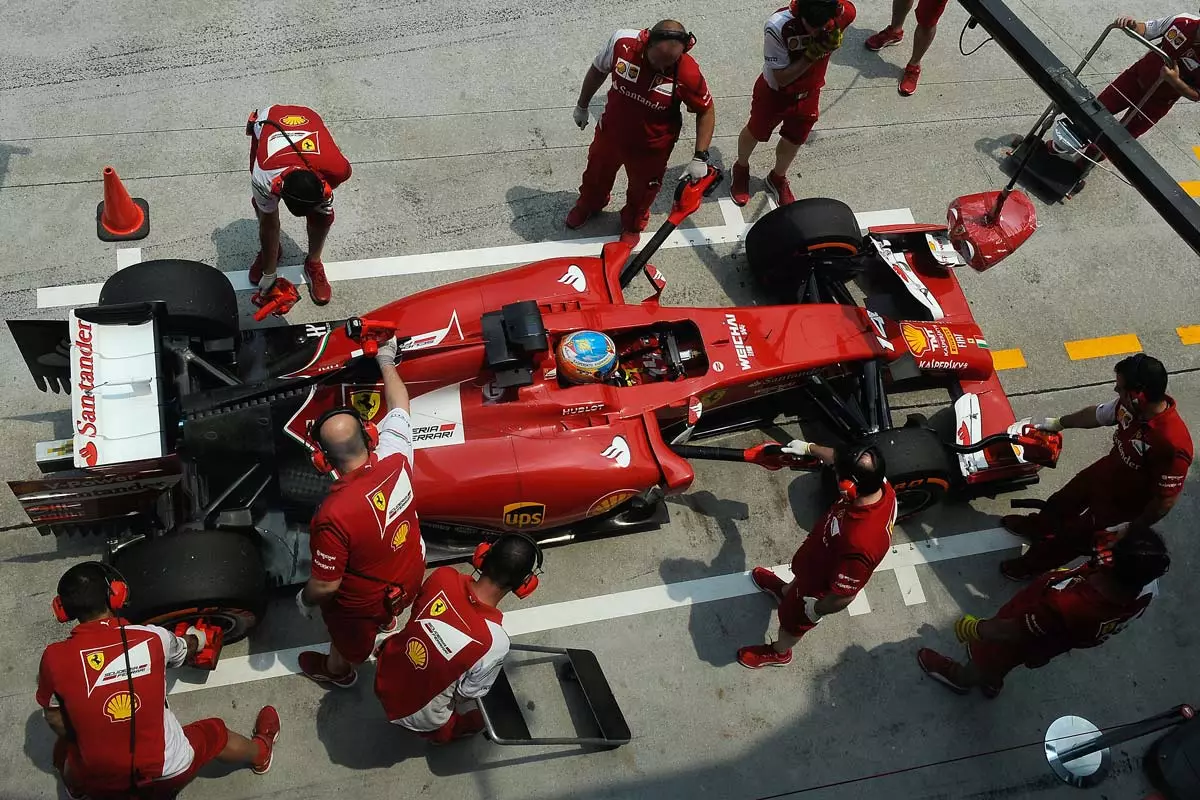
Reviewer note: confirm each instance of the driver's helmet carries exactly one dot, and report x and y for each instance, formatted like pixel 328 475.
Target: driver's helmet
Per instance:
pixel 586 357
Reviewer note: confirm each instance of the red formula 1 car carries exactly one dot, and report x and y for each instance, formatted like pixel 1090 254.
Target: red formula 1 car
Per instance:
pixel 191 442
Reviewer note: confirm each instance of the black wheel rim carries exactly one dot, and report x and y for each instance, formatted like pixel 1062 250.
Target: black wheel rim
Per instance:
pixel 911 501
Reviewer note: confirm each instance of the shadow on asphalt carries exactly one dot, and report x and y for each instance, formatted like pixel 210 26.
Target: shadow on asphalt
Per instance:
pixel 237 243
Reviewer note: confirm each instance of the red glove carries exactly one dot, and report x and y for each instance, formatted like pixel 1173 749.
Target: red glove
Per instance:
pixel 211 638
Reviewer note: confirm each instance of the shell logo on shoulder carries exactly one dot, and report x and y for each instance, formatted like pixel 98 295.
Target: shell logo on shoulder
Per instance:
pixel 1176 37
pixel 400 536
pixel 294 119
pixel 610 501
pixel 119 707
pixel 417 653
pixel 917 339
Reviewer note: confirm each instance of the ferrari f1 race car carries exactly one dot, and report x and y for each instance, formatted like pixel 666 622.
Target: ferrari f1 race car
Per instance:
pixel 191 448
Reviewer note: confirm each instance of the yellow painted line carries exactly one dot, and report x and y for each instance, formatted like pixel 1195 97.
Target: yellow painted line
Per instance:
pixel 1196 151
pixel 1189 334
pixel 1191 187
pixel 1103 346
pixel 1009 359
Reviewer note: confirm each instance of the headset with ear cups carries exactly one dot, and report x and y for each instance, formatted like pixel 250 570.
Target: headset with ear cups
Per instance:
pixel 1137 396
pixel 118 593
pixel 320 457
pixel 530 583
pixel 650 37
pixel 847 469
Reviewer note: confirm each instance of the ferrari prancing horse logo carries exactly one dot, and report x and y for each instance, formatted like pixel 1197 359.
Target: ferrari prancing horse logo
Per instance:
pixel 379 500
pixel 96 660
pixel 366 403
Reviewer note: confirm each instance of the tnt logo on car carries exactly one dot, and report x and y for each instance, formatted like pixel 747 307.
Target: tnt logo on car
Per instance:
pixel 524 515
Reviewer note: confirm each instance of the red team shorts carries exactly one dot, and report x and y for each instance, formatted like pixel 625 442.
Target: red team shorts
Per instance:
pixel 791 614
pixel 930 11
pixel 207 737
pixel 769 108
pixel 352 634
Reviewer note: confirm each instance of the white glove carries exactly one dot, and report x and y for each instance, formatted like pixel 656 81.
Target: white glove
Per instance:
pixel 696 170
pixel 266 282
pixel 200 635
pixel 1052 424
pixel 580 115
pixel 386 356
pixel 798 447
pixel 810 610
pixel 305 609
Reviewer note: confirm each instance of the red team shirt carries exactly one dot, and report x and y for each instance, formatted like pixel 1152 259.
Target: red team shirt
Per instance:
pixel 1059 611
pixel 452 644
pixel 271 157
pixel 845 547
pixel 368 525
pixel 1180 35
pixel 85 677
pixel 1148 459
pixel 643 103
pixel 785 41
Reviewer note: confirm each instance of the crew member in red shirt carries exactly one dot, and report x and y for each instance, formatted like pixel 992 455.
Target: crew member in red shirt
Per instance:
pixel 104 693
pixel 368 557
pixel 928 14
pixel 1137 483
pixel 836 560
pixel 1062 610
pixel 1180 36
pixel 454 644
pixel 293 157
pixel 798 42
pixel 652 74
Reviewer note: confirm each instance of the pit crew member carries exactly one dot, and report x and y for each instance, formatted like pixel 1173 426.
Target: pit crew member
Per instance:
pixel 652 75
pixel 928 14
pixel 454 644
pixel 103 691
pixel 1060 611
pixel 293 157
pixel 836 560
pixel 368 556
pixel 1137 483
pixel 799 39
pixel 1180 36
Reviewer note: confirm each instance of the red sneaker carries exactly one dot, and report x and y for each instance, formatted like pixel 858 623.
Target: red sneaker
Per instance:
pixel 768 582
pixel 780 189
pixel 266 729
pixel 1015 570
pixel 885 38
pixel 762 655
pixel 318 285
pixel 1020 524
pixel 941 669
pixel 908 81
pixel 631 238
pixel 256 269
pixel 739 186
pixel 577 216
pixel 314 665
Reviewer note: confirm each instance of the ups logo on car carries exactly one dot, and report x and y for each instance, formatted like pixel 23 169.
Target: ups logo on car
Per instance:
pixel 524 515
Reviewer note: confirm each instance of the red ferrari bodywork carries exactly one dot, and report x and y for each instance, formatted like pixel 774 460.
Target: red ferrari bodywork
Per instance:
pixel 547 455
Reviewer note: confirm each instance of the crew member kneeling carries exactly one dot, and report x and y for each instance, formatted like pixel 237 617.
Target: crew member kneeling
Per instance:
pixel 454 644
pixel 1137 483
pixel 1062 610
pixel 104 692
pixel 368 557
pixel 836 560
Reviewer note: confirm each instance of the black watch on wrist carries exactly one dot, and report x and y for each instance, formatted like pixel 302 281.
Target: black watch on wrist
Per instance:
pixel 702 155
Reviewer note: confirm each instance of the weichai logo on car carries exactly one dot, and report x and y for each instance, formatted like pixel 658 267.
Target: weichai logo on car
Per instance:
pixel 738 335
pixel 431 432
pixel 86 423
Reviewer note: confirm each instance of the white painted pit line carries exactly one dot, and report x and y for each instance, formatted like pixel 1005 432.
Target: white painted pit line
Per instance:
pixel 902 561
pixel 734 229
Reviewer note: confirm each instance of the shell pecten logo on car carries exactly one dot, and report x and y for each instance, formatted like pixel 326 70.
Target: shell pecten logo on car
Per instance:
pixel 524 515
pixel 916 338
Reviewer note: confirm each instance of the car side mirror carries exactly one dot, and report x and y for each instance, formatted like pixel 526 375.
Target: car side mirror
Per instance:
pixel 695 409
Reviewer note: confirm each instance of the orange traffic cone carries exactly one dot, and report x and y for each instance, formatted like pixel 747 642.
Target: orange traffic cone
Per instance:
pixel 120 217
